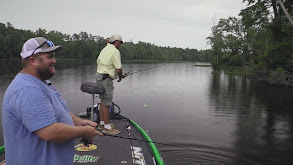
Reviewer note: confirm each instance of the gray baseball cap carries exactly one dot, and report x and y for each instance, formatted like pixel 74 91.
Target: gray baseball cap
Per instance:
pixel 38 45
pixel 115 37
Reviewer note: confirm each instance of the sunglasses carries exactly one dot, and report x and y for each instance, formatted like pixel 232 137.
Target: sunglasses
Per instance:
pixel 121 42
pixel 50 44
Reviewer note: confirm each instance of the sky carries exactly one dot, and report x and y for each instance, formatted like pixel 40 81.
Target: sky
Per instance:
pixel 174 23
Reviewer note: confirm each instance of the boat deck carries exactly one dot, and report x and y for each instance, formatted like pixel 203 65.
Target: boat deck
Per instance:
pixel 2 156
pixel 116 150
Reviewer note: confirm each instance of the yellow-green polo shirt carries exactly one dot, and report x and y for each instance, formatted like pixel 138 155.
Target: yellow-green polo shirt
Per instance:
pixel 109 60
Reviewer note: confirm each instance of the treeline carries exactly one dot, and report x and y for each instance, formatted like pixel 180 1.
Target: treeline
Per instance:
pixel 260 40
pixel 87 46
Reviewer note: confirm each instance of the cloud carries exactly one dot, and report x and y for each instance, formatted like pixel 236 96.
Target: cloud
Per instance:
pixel 175 23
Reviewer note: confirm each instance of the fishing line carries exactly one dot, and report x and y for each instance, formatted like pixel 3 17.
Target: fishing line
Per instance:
pixel 122 137
pixel 127 74
pixel 172 145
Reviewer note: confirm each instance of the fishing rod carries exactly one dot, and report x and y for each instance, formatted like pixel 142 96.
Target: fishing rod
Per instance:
pixel 122 137
pixel 128 130
pixel 127 74
pixel 172 145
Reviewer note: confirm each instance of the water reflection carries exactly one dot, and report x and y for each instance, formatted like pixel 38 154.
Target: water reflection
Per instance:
pixel 262 114
pixel 67 64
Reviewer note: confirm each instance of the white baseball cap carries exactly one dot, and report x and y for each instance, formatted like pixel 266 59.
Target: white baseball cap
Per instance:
pixel 38 45
pixel 115 37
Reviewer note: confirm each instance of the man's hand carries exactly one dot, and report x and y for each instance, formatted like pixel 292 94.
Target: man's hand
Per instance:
pixel 81 122
pixel 88 125
pixel 122 76
pixel 89 122
pixel 90 132
pixel 60 132
pixel 93 125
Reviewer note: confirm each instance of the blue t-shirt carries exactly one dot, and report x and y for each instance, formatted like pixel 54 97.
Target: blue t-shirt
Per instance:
pixel 30 104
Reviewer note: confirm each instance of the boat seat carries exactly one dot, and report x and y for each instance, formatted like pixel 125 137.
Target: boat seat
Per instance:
pixel 92 88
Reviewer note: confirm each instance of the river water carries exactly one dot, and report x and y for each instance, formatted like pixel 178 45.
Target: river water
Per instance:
pixel 212 118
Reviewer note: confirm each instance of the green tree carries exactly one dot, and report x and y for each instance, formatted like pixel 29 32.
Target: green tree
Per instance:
pixel 87 46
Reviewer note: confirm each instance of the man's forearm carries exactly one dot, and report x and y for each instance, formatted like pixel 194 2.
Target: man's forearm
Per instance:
pixel 60 133
pixel 120 73
pixel 77 120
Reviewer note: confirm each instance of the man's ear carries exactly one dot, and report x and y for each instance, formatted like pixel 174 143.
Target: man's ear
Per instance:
pixel 33 61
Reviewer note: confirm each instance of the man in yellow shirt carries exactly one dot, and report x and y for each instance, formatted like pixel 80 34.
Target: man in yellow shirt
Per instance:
pixel 108 68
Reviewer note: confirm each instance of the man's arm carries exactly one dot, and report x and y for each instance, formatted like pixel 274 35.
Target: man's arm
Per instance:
pixel 120 74
pixel 59 132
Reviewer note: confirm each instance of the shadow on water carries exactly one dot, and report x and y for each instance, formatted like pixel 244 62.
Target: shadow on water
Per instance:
pixel 264 118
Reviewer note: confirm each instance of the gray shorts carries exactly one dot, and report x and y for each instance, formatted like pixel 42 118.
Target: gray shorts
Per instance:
pixel 107 97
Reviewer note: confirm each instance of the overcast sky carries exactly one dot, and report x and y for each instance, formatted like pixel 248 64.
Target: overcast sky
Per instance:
pixel 174 23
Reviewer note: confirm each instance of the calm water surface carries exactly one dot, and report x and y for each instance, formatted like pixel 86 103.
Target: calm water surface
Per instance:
pixel 221 119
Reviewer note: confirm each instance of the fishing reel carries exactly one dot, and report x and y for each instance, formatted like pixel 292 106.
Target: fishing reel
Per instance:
pixel 125 74
pixel 87 142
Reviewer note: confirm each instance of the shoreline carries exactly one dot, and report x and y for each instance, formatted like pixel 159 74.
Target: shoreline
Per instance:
pixel 277 77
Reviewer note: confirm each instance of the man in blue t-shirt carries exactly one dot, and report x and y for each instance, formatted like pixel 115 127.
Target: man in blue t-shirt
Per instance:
pixel 38 126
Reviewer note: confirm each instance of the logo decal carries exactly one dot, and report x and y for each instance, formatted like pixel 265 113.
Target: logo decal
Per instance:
pixel 137 156
pixel 85 158
pixel 82 147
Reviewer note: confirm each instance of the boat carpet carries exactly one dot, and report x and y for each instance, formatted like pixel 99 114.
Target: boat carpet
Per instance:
pixel 116 150
pixel 2 158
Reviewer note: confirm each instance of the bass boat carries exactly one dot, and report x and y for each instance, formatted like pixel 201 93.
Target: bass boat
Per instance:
pixel 132 146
